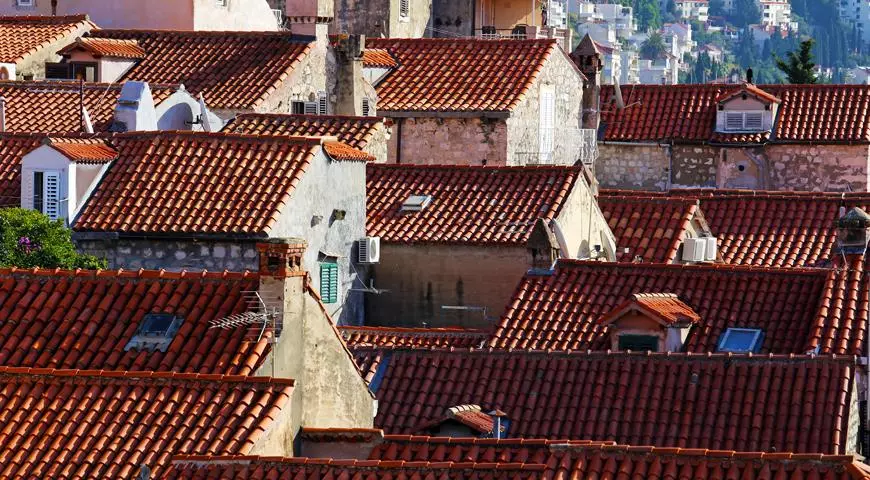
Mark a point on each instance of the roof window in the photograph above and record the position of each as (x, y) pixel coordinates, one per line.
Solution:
(416, 203)
(741, 340)
(155, 332)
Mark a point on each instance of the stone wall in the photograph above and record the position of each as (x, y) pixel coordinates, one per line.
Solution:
(379, 143)
(420, 278)
(768, 167)
(172, 255)
(453, 141)
(380, 18)
(524, 139)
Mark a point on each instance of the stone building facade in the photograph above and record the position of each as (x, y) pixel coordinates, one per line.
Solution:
(382, 18)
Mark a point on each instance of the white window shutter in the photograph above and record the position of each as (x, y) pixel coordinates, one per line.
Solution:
(310, 108)
(404, 8)
(321, 103)
(547, 124)
(734, 121)
(752, 121)
(366, 107)
(51, 195)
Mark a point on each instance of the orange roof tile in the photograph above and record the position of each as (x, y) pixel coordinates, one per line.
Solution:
(197, 183)
(95, 424)
(84, 150)
(650, 227)
(412, 337)
(475, 205)
(55, 106)
(687, 113)
(341, 151)
(24, 35)
(84, 320)
(798, 309)
(584, 459)
(106, 47)
(460, 75)
(720, 401)
(333, 434)
(13, 147)
(233, 70)
(378, 58)
(354, 131)
(667, 307)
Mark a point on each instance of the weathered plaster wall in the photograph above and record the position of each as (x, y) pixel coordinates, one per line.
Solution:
(641, 167)
(694, 165)
(412, 26)
(172, 255)
(524, 139)
(420, 278)
(380, 18)
(818, 168)
(379, 143)
(453, 141)
(316, 72)
(237, 15)
(582, 223)
(34, 64)
(329, 392)
(453, 18)
(327, 187)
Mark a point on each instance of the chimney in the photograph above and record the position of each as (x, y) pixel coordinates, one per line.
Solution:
(351, 82)
(589, 60)
(2, 114)
(853, 231)
(749, 75)
(135, 110)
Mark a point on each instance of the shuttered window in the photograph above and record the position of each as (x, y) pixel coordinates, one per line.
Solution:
(404, 8)
(46, 193)
(322, 104)
(329, 282)
(734, 121)
(752, 121)
(744, 121)
(547, 125)
(366, 107)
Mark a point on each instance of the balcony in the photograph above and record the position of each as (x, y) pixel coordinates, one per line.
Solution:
(526, 32)
(580, 147)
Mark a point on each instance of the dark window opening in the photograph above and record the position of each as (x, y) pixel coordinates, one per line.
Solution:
(639, 343)
(38, 192)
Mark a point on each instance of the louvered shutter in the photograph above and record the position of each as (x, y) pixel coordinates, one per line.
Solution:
(366, 108)
(734, 121)
(321, 104)
(310, 108)
(752, 121)
(51, 194)
(547, 124)
(404, 8)
(329, 282)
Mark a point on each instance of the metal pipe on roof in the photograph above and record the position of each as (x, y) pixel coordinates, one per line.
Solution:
(2, 114)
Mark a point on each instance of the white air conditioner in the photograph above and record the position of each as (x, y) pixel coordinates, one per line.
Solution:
(711, 251)
(694, 249)
(370, 250)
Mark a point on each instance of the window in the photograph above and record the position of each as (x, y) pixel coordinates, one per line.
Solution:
(4, 73)
(222, 3)
(366, 107)
(404, 8)
(46, 193)
(741, 340)
(303, 108)
(639, 343)
(329, 282)
(547, 125)
(86, 71)
(744, 121)
(24, 3)
(155, 332)
(416, 203)
(322, 103)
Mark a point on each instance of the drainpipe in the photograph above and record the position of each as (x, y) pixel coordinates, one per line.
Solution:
(399, 123)
(2, 114)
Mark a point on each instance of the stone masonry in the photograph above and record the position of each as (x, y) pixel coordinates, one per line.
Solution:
(173, 255)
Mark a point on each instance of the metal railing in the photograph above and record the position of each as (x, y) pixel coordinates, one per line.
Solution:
(579, 147)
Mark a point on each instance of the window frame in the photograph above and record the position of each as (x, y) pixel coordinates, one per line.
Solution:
(755, 346)
(25, 3)
(622, 336)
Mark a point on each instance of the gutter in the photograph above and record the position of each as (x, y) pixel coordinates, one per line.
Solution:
(439, 114)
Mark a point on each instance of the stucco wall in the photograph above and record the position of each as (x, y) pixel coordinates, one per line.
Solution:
(328, 390)
(453, 17)
(420, 278)
(34, 64)
(172, 255)
(560, 74)
(694, 166)
(328, 186)
(582, 223)
(453, 141)
(238, 15)
(379, 143)
(641, 167)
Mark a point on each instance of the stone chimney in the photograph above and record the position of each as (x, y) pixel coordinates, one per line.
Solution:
(310, 17)
(350, 88)
(280, 266)
(135, 110)
(589, 60)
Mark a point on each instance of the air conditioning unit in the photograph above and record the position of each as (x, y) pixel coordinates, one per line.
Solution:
(711, 251)
(694, 249)
(370, 250)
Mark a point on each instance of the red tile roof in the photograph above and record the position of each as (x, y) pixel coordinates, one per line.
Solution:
(378, 58)
(722, 402)
(330, 435)
(276, 468)
(584, 459)
(84, 320)
(24, 35)
(687, 113)
(187, 183)
(12, 148)
(84, 150)
(96, 424)
(341, 151)
(460, 75)
(650, 227)
(798, 309)
(354, 131)
(666, 307)
(106, 47)
(412, 337)
(54, 106)
(473, 205)
(233, 70)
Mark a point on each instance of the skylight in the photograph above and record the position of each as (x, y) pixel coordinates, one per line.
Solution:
(741, 340)
(155, 332)
(416, 203)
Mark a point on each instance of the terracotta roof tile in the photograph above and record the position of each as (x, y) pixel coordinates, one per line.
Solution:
(354, 131)
(687, 113)
(378, 58)
(412, 337)
(84, 320)
(12, 148)
(54, 106)
(667, 307)
(88, 424)
(23, 35)
(798, 309)
(84, 150)
(232, 70)
(649, 227)
(589, 459)
(341, 151)
(332, 434)
(224, 184)
(106, 47)
(482, 205)
(725, 401)
(459, 75)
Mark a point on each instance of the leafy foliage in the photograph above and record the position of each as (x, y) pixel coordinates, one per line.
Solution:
(653, 48)
(745, 13)
(647, 14)
(30, 239)
(799, 66)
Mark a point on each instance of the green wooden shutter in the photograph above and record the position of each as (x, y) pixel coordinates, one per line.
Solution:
(329, 282)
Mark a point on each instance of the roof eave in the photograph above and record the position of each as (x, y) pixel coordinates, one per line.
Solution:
(501, 114)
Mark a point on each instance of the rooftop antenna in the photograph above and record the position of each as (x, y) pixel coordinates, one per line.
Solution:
(257, 317)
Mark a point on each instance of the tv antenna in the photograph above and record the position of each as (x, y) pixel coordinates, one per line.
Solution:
(257, 318)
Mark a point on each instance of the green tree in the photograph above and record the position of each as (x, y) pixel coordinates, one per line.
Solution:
(648, 15)
(717, 7)
(745, 13)
(799, 66)
(30, 239)
(653, 48)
